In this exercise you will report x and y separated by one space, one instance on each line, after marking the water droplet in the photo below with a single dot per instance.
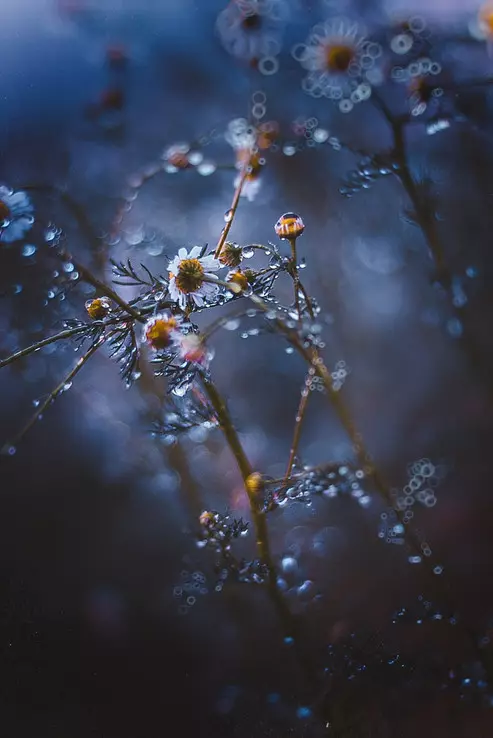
29 249
414 559
231 325
303 713
206 168
289 564
8 450
248 253
50 234
228 216
454 327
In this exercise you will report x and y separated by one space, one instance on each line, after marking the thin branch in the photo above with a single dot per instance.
230 214
305 393
259 519
87 276
58 390
45 342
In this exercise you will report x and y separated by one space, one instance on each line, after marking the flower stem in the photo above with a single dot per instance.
40 344
286 618
305 393
234 207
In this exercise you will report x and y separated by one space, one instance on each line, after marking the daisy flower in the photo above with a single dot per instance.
15 215
187 277
338 59
251 29
162 331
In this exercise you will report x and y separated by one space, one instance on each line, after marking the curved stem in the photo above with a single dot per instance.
259 520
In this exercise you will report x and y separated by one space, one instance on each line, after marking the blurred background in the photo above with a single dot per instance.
111 619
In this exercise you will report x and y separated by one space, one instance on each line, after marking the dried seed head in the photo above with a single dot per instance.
98 308
238 278
158 331
254 483
190 275
231 254
289 226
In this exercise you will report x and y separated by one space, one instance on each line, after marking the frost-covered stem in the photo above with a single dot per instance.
365 461
305 393
40 344
259 519
58 389
293 270
234 207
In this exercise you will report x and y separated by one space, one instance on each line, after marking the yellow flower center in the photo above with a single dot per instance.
158 334
338 57
190 275
4 212
98 308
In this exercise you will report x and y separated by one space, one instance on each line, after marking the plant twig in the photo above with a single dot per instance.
101 286
259 519
305 393
58 390
230 214
68 333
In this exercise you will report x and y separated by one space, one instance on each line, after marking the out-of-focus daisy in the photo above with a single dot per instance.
423 89
252 29
481 27
409 36
339 60
15 215
188 275
254 164
191 347
161 331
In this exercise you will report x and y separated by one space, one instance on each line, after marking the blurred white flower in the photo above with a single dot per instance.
338 58
252 29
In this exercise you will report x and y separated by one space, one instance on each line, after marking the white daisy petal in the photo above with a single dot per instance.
182 254
195 253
